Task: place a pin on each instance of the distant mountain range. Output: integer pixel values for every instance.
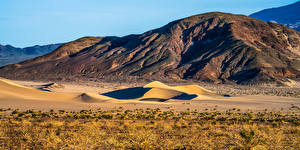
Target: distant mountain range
(288, 15)
(213, 47)
(12, 55)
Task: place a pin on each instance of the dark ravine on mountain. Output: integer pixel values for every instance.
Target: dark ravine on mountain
(213, 47)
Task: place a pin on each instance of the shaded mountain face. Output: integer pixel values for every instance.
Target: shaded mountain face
(12, 55)
(214, 47)
(288, 15)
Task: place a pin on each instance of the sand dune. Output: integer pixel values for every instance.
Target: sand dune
(157, 91)
(13, 90)
(154, 91)
(92, 98)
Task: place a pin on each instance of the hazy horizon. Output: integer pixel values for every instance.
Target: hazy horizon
(34, 22)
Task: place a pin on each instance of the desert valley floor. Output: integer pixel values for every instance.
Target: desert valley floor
(76, 96)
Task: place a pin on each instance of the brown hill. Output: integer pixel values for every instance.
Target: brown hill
(215, 47)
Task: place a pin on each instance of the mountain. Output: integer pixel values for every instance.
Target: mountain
(11, 55)
(213, 47)
(288, 15)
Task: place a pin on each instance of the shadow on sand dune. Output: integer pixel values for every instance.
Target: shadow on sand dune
(130, 93)
(185, 96)
(48, 87)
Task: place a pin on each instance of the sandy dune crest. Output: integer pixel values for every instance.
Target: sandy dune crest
(189, 89)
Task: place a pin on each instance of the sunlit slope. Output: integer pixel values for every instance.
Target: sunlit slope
(13, 90)
(189, 89)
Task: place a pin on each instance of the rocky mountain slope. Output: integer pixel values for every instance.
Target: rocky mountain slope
(288, 15)
(214, 47)
(11, 55)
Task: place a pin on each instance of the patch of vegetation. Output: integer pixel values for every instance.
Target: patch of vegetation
(148, 129)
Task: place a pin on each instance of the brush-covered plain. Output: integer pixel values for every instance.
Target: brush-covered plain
(149, 129)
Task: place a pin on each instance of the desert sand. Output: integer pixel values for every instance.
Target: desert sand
(72, 96)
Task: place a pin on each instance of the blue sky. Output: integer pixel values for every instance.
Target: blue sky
(38, 22)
